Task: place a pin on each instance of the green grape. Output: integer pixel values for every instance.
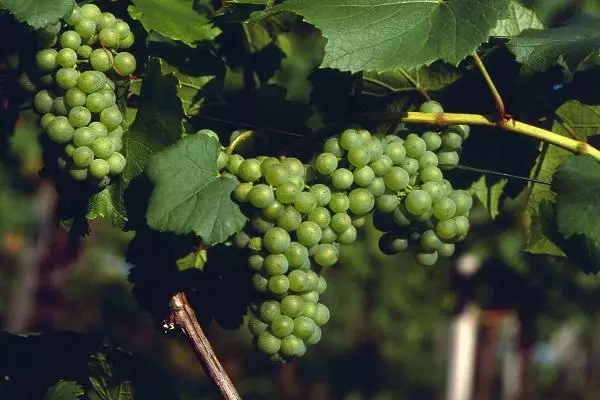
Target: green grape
(99, 168)
(297, 255)
(446, 250)
(60, 130)
(261, 195)
(432, 140)
(364, 134)
(414, 146)
(124, 63)
(26, 82)
(66, 58)
(363, 176)
(127, 42)
(75, 97)
(387, 203)
(46, 59)
(359, 156)
(361, 201)
(78, 174)
(448, 160)
(91, 81)
(91, 11)
(99, 129)
(249, 170)
(234, 162)
(342, 178)
(241, 239)
(321, 286)
(79, 116)
(294, 167)
(84, 51)
(401, 216)
(83, 156)
(299, 281)
(69, 149)
(305, 202)
(377, 187)
(375, 148)
(60, 107)
(261, 225)
(74, 17)
(381, 165)
(256, 326)
(396, 152)
(322, 193)
(462, 225)
(222, 160)
(273, 210)
(122, 29)
(340, 222)
(66, 78)
(103, 147)
(329, 236)
(446, 229)
(462, 130)
(321, 315)
(431, 173)
(282, 326)
(111, 117)
(292, 306)
(444, 209)
(116, 163)
(446, 187)
(101, 60)
(396, 179)
(276, 240)
(276, 264)
(255, 244)
(279, 284)
(43, 101)
(298, 182)
(431, 106)
(46, 119)
(256, 262)
(260, 283)
(434, 189)
(320, 216)
(428, 159)
(275, 175)
(451, 141)
(332, 145)
(359, 222)
(350, 139)
(339, 202)
(326, 163)
(290, 220)
(269, 310)
(106, 20)
(117, 132)
(304, 327)
(426, 259)
(315, 338)
(348, 236)
(392, 243)
(430, 241)
(462, 200)
(418, 202)
(308, 233)
(312, 279)
(109, 37)
(291, 346)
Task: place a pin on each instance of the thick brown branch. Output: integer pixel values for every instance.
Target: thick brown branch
(183, 315)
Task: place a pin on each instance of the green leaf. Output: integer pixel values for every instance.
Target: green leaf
(174, 19)
(64, 390)
(103, 205)
(189, 194)
(572, 43)
(521, 18)
(38, 13)
(383, 35)
(577, 186)
(432, 77)
(196, 259)
(188, 87)
(488, 195)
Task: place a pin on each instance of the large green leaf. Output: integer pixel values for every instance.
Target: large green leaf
(521, 18)
(432, 77)
(585, 120)
(577, 185)
(384, 34)
(64, 390)
(174, 19)
(38, 13)
(572, 43)
(189, 193)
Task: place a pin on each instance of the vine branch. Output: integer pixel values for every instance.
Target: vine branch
(488, 80)
(183, 315)
(444, 119)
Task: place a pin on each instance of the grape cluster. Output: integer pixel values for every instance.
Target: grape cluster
(75, 78)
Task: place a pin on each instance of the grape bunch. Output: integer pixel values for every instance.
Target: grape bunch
(77, 67)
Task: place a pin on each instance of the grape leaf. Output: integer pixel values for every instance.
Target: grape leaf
(585, 120)
(64, 390)
(383, 35)
(572, 43)
(174, 19)
(521, 18)
(103, 205)
(488, 195)
(189, 195)
(188, 87)
(38, 13)
(432, 77)
(577, 187)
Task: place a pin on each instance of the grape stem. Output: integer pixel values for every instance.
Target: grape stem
(182, 314)
(488, 80)
(240, 139)
(445, 119)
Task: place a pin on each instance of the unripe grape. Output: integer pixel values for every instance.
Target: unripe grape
(250, 170)
(292, 306)
(83, 137)
(348, 236)
(78, 174)
(101, 60)
(66, 58)
(260, 283)
(127, 42)
(276, 240)
(332, 145)
(297, 255)
(326, 163)
(432, 140)
(290, 220)
(60, 130)
(448, 160)
(282, 326)
(84, 51)
(361, 201)
(43, 102)
(46, 59)
(99, 168)
(286, 193)
(74, 17)
(109, 37)
(426, 259)
(83, 156)
(116, 163)
(451, 141)
(46, 119)
(124, 63)
(261, 196)
(396, 179)
(326, 255)
(396, 152)
(122, 29)
(291, 346)
(91, 81)
(342, 178)
(256, 326)
(79, 116)
(359, 156)
(66, 78)
(95, 102)
(103, 147)
(392, 243)
(377, 187)
(414, 146)
(276, 264)
(417, 202)
(315, 338)
(431, 106)
(99, 129)
(308, 233)
(304, 327)
(111, 117)
(350, 139)
(279, 284)
(322, 194)
(339, 202)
